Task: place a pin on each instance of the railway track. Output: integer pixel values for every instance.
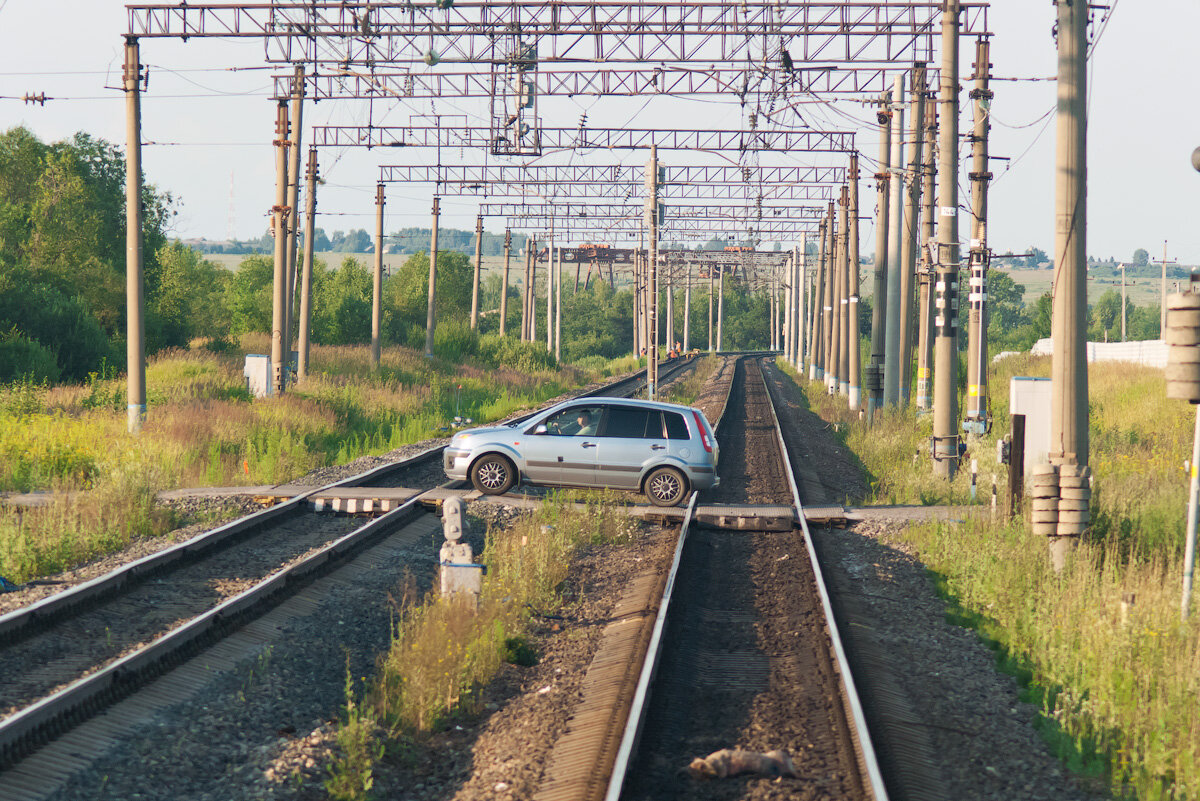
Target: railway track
(75, 654)
(731, 646)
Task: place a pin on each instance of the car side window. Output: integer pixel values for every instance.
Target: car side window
(676, 426)
(579, 421)
(627, 422)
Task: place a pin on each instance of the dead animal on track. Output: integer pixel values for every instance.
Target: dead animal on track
(732, 762)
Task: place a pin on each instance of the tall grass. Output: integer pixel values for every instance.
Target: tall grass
(444, 650)
(204, 429)
(1100, 645)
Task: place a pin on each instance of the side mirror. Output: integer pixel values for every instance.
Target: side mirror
(541, 429)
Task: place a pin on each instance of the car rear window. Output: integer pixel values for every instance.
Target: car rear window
(625, 421)
(676, 426)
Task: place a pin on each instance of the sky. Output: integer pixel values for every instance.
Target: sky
(212, 126)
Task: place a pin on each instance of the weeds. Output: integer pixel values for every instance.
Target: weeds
(1099, 647)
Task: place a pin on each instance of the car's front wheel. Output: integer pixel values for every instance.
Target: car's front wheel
(493, 474)
(665, 486)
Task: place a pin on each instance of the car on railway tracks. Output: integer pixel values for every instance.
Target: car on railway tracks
(664, 450)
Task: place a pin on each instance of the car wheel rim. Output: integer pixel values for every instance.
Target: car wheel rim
(491, 475)
(664, 487)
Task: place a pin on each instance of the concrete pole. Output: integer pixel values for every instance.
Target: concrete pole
(834, 345)
(430, 315)
(478, 270)
(1122, 302)
(816, 368)
(652, 253)
(279, 295)
(310, 219)
(784, 325)
(670, 308)
(135, 332)
(846, 338)
(1068, 371)
(637, 305)
(293, 205)
(945, 393)
(709, 308)
(853, 368)
(550, 294)
(825, 330)
(721, 308)
(895, 310)
(377, 282)
(879, 286)
(533, 317)
(525, 293)
(504, 280)
(558, 274)
(928, 236)
(687, 307)
(800, 288)
(1162, 298)
(977, 362)
(911, 243)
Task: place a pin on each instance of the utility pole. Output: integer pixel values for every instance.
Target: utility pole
(721, 309)
(311, 176)
(853, 367)
(980, 258)
(833, 330)
(525, 291)
(478, 269)
(135, 332)
(945, 398)
(294, 205)
(803, 300)
(710, 307)
(928, 237)
(430, 316)
(1069, 387)
(687, 306)
(533, 260)
(558, 308)
(504, 280)
(550, 293)
(377, 281)
(879, 286)
(652, 253)
(846, 339)
(1162, 320)
(912, 231)
(1123, 304)
(821, 305)
(895, 310)
(279, 286)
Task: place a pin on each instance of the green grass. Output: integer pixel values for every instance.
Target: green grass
(203, 429)
(1099, 646)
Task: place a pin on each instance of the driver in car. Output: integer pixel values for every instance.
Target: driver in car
(587, 426)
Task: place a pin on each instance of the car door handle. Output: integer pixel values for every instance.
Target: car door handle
(658, 447)
(588, 445)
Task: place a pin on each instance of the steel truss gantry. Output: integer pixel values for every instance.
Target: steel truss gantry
(584, 31)
(476, 136)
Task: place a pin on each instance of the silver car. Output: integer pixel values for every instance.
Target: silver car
(664, 450)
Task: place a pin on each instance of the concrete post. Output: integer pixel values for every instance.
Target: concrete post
(430, 312)
(135, 332)
(879, 286)
(377, 281)
(721, 309)
(853, 368)
(816, 368)
(687, 308)
(845, 334)
(310, 219)
(802, 303)
(478, 270)
(825, 329)
(280, 211)
(833, 345)
(652, 254)
(895, 311)
(504, 280)
(945, 395)
(550, 294)
(558, 274)
(911, 244)
(294, 205)
(928, 236)
(977, 361)
(1069, 380)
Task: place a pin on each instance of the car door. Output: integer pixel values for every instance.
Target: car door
(561, 454)
(629, 438)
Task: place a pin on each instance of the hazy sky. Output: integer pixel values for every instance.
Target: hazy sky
(1144, 124)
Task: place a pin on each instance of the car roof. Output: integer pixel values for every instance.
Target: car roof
(626, 402)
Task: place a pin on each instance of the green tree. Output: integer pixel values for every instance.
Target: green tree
(249, 296)
(191, 298)
(1141, 257)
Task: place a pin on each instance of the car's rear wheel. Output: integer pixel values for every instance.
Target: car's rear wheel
(493, 474)
(665, 486)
